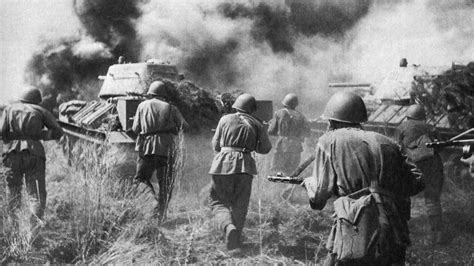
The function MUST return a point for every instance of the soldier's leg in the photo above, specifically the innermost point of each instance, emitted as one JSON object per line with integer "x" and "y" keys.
{"x": 164, "y": 176}
{"x": 14, "y": 179}
{"x": 434, "y": 178}
{"x": 220, "y": 200}
{"x": 243, "y": 188}
{"x": 35, "y": 184}
{"x": 278, "y": 161}
{"x": 144, "y": 171}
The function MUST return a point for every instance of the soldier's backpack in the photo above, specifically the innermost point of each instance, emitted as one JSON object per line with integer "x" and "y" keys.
{"x": 361, "y": 230}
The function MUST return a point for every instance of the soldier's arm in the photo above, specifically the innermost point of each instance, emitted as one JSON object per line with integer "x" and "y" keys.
{"x": 136, "y": 127}
{"x": 54, "y": 130}
{"x": 263, "y": 143}
{"x": 5, "y": 127}
{"x": 217, "y": 137}
{"x": 414, "y": 177}
{"x": 273, "y": 128}
{"x": 321, "y": 185}
{"x": 179, "y": 120}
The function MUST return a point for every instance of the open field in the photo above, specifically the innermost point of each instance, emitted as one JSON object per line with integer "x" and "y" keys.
{"x": 93, "y": 216}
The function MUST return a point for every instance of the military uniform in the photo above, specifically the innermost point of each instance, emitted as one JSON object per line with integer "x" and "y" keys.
{"x": 233, "y": 167}
{"x": 157, "y": 122}
{"x": 349, "y": 159}
{"x": 24, "y": 155}
{"x": 292, "y": 127}
{"x": 431, "y": 166}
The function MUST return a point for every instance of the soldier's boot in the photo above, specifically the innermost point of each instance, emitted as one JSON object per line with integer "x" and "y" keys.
{"x": 232, "y": 238}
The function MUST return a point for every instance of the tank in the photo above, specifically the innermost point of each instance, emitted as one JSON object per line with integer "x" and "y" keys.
{"x": 387, "y": 103}
{"x": 110, "y": 118}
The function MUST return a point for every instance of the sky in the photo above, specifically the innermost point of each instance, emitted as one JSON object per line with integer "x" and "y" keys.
{"x": 22, "y": 23}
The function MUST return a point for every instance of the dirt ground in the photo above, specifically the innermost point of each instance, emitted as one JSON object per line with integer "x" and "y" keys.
{"x": 93, "y": 217}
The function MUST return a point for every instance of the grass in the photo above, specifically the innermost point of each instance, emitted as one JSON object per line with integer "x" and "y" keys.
{"x": 94, "y": 215}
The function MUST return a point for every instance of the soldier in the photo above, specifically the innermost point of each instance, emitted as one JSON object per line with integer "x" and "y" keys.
{"x": 23, "y": 127}
{"x": 412, "y": 136}
{"x": 350, "y": 159}
{"x": 292, "y": 127}
{"x": 233, "y": 167}
{"x": 157, "y": 123}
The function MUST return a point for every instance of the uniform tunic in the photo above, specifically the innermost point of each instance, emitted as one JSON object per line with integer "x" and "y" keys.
{"x": 349, "y": 159}
{"x": 22, "y": 129}
{"x": 292, "y": 127}
{"x": 157, "y": 122}
{"x": 23, "y": 124}
{"x": 242, "y": 131}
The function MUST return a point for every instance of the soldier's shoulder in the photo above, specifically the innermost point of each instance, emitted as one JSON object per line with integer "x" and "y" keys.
{"x": 382, "y": 138}
{"x": 228, "y": 117}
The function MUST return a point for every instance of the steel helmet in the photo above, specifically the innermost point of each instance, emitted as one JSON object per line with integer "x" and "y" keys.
{"x": 31, "y": 95}
{"x": 416, "y": 111}
{"x": 290, "y": 100}
{"x": 345, "y": 107}
{"x": 158, "y": 89}
{"x": 245, "y": 103}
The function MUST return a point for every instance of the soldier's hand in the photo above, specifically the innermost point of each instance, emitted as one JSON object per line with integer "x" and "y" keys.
{"x": 46, "y": 134}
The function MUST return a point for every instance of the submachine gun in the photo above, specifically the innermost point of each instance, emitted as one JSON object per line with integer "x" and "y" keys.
{"x": 293, "y": 177}
{"x": 466, "y": 144}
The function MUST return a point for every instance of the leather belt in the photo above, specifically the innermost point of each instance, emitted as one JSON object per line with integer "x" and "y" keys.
{"x": 237, "y": 149}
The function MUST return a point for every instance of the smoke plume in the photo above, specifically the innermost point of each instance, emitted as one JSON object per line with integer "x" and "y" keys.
{"x": 267, "y": 48}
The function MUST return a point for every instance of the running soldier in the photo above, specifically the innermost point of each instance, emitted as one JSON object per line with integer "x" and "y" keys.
{"x": 233, "y": 167}
{"x": 413, "y": 134}
{"x": 292, "y": 127}
{"x": 157, "y": 123}
{"x": 23, "y": 128}
{"x": 349, "y": 162}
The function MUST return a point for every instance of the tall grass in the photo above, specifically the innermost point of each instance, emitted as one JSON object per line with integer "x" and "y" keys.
{"x": 95, "y": 215}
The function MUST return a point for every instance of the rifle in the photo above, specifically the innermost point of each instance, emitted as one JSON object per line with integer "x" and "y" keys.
{"x": 467, "y": 144}
{"x": 293, "y": 177}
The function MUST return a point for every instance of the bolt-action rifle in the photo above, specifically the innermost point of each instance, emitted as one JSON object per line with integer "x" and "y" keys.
{"x": 293, "y": 177}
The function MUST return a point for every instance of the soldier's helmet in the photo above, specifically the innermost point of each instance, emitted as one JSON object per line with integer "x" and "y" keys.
{"x": 290, "y": 100}
{"x": 345, "y": 107}
{"x": 245, "y": 103}
{"x": 158, "y": 89}
{"x": 416, "y": 112}
{"x": 31, "y": 95}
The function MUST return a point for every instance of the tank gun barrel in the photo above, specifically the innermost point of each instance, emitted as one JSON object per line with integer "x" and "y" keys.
{"x": 347, "y": 85}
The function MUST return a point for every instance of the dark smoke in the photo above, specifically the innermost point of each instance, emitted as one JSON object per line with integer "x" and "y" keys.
{"x": 112, "y": 22}
{"x": 280, "y": 26}
{"x": 67, "y": 67}
{"x": 62, "y": 68}
{"x": 212, "y": 61}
